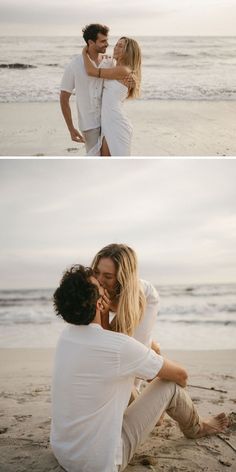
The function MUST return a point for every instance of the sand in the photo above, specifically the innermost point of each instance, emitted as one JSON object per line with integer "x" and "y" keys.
{"x": 25, "y": 415}
{"x": 161, "y": 128}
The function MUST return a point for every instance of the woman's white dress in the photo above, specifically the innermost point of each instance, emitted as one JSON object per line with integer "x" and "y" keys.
{"x": 115, "y": 126}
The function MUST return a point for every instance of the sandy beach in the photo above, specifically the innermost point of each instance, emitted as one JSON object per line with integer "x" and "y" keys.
{"x": 161, "y": 128}
{"x": 25, "y": 415}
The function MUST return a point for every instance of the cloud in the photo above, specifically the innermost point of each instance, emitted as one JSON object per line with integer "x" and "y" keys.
{"x": 178, "y": 214}
{"x": 136, "y": 17}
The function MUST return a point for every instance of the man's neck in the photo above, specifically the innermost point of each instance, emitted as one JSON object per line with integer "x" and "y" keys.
{"x": 97, "y": 318}
{"x": 93, "y": 55}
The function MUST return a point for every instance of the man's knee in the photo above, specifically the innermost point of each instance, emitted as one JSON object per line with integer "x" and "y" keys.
{"x": 164, "y": 384}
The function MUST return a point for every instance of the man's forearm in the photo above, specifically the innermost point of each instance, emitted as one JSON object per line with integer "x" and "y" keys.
{"x": 174, "y": 372}
{"x": 66, "y": 111}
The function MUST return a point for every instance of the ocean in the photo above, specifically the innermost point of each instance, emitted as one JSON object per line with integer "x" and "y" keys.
{"x": 176, "y": 68}
{"x": 196, "y": 317}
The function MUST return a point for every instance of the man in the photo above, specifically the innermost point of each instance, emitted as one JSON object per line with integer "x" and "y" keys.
{"x": 88, "y": 90}
{"x": 93, "y": 430}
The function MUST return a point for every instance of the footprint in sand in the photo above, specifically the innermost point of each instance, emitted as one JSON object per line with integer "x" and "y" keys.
{"x": 196, "y": 400}
{"x": 232, "y": 421}
{"x": 22, "y": 417}
{"x": 3, "y": 430}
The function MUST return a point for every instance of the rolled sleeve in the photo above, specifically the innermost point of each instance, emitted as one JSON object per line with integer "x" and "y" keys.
{"x": 139, "y": 361}
{"x": 68, "y": 80}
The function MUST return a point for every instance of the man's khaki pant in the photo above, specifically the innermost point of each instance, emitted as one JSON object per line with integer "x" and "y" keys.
{"x": 91, "y": 137}
{"x": 142, "y": 415}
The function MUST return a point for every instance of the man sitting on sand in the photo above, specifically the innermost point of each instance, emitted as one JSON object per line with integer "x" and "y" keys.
{"x": 93, "y": 429}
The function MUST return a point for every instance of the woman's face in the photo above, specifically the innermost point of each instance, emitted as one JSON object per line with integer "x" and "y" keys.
{"x": 96, "y": 282}
{"x": 119, "y": 49}
{"x": 105, "y": 273}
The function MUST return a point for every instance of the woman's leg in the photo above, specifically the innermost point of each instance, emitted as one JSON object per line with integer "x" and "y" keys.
{"x": 105, "y": 149}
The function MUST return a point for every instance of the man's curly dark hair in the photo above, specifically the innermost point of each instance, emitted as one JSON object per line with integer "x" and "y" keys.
{"x": 76, "y": 297}
{"x": 91, "y": 31}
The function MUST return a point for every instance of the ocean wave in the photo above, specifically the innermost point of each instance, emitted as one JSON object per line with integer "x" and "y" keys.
{"x": 23, "y": 301}
{"x": 200, "y": 322}
{"x": 184, "y": 68}
{"x": 51, "y": 318}
{"x": 178, "y": 54}
{"x": 8, "y": 318}
{"x": 197, "y": 291}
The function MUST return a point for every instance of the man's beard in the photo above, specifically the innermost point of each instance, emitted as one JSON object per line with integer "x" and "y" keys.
{"x": 101, "y": 50}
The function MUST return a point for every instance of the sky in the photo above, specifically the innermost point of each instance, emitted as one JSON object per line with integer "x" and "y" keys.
{"x": 179, "y": 216}
{"x": 133, "y": 17}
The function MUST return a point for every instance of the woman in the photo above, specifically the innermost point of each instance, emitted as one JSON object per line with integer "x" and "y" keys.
{"x": 116, "y": 131}
{"x": 133, "y": 302}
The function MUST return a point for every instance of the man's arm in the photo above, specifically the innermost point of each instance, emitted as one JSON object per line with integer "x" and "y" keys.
{"x": 172, "y": 371}
{"x": 156, "y": 347}
{"x": 66, "y": 111}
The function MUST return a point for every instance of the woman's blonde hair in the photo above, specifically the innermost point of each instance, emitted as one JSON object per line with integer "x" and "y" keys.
{"x": 132, "y": 58}
{"x": 131, "y": 303}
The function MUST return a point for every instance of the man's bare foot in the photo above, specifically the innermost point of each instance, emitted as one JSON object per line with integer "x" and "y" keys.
{"x": 213, "y": 425}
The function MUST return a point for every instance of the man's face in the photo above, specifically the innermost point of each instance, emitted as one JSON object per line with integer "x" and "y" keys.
{"x": 101, "y": 43}
{"x": 105, "y": 273}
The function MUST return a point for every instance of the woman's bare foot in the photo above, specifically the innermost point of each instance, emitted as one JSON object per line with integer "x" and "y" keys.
{"x": 213, "y": 425}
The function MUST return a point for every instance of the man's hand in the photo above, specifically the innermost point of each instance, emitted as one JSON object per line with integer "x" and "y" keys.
{"x": 76, "y": 136}
{"x": 106, "y": 302}
{"x": 156, "y": 347}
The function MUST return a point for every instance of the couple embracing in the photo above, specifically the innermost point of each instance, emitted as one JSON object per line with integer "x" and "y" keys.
{"x": 101, "y": 86}
{"x": 100, "y": 358}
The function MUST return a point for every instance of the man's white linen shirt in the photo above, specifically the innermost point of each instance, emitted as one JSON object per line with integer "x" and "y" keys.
{"x": 93, "y": 376}
{"x": 88, "y": 91}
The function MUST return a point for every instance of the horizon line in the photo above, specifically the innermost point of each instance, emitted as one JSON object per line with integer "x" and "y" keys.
{"x": 188, "y": 285}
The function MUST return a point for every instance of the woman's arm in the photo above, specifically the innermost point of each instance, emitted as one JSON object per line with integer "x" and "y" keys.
{"x": 113, "y": 73}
